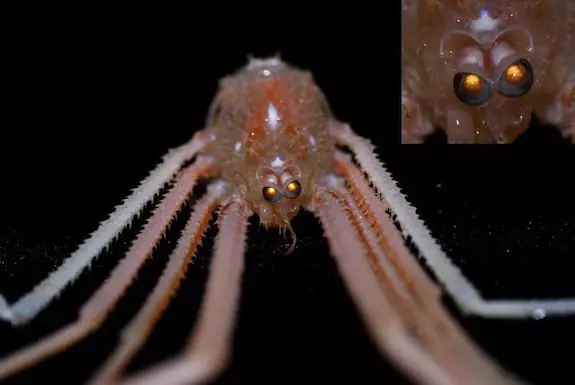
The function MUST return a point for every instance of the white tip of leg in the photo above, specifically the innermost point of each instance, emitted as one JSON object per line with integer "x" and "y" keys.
{"x": 5, "y": 313}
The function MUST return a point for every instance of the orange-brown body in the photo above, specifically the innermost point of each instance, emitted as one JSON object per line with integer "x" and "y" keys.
{"x": 269, "y": 148}
{"x": 444, "y": 37}
{"x": 270, "y": 122}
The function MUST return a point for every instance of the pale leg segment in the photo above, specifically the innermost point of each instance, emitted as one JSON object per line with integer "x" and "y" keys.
{"x": 99, "y": 305}
{"x": 209, "y": 346}
{"x": 416, "y": 298}
{"x": 380, "y": 318}
{"x": 465, "y": 295}
{"x": 40, "y": 296}
{"x": 135, "y": 334}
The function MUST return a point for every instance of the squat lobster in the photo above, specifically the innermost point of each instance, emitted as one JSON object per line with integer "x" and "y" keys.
{"x": 270, "y": 149}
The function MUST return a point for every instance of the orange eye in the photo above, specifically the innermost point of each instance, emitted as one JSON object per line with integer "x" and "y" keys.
{"x": 471, "y": 88}
{"x": 472, "y": 83}
{"x": 271, "y": 194}
{"x": 515, "y": 73}
{"x": 293, "y": 189}
{"x": 516, "y": 80}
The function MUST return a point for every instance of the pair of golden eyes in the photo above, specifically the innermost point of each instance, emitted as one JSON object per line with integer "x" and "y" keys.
{"x": 272, "y": 194}
{"x": 474, "y": 90}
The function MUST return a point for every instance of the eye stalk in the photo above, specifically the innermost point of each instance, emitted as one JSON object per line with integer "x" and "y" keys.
{"x": 292, "y": 189}
{"x": 471, "y": 88}
{"x": 271, "y": 194}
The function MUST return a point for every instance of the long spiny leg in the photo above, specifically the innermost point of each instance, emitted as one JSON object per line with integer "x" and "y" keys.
{"x": 40, "y": 296}
{"x": 382, "y": 321}
{"x": 461, "y": 290}
{"x": 209, "y": 346}
{"x": 135, "y": 334}
{"x": 94, "y": 311}
{"x": 413, "y": 319}
{"x": 388, "y": 236}
{"x": 425, "y": 316}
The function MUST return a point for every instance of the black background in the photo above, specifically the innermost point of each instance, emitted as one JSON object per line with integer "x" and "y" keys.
{"x": 97, "y": 96}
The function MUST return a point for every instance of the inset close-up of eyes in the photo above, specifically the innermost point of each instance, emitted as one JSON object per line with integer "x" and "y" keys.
{"x": 488, "y": 71}
{"x": 178, "y": 210}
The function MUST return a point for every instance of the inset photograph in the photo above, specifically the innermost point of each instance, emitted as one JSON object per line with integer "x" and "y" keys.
{"x": 482, "y": 72}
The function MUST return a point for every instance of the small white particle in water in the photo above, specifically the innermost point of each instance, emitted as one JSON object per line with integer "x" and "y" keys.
{"x": 457, "y": 121}
{"x": 266, "y": 72}
{"x": 238, "y": 146}
{"x": 538, "y": 314}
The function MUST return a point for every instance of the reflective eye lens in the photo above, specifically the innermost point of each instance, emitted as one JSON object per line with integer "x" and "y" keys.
{"x": 293, "y": 189}
{"x": 471, "y": 89}
{"x": 516, "y": 80}
{"x": 271, "y": 194}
